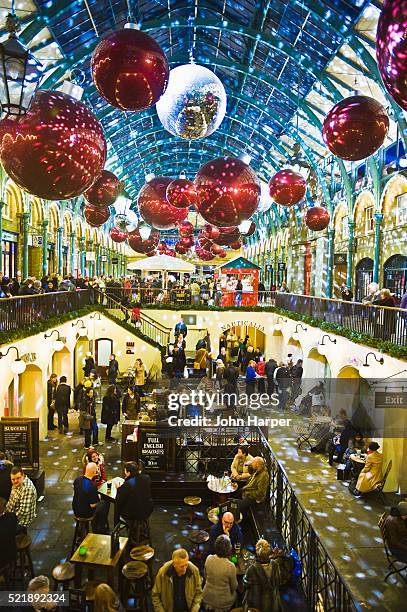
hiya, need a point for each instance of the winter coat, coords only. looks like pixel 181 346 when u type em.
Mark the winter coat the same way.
pixel 221 582
pixel 371 474
pixel 140 375
pixel 131 406
pixel 113 368
pixel 262 590
pixel 89 366
pixel 110 414
pixel 163 592
pixel 86 412
pixel 63 397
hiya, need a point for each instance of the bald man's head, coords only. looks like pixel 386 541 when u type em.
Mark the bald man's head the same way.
pixel 258 463
pixel 91 470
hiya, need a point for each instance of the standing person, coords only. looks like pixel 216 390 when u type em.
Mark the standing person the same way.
pixel 110 414
pixel 16 284
pixel 346 293
pixel 271 366
pixel 87 418
pixel 140 376
pixel 23 499
pixel 131 404
pixel 239 292
pixel 178 362
pixel 180 328
pixel 262 581
pixel 89 364
pixel 220 372
pixel 63 404
pixel 251 378
pixel 296 376
pixel 200 361
pixel 221 579
pixel 112 369
pixel 260 368
pixel 5 482
pixel 261 291
pixel 51 390
pixel 178 585
pixel 282 380
pixel 231 390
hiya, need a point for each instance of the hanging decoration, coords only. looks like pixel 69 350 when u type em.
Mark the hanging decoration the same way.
pixel 228 191
pixel 185 228
pixel 247 228
pixel 355 128
pixel 287 187
pixel 216 249
pixel 187 242
pixel 154 207
pixel 162 246
pixel 181 250
pixel 136 242
pixel 56 150
pixel 203 254
pixel 265 200
pixel 317 218
pixel 104 191
pixel 126 221
pixel 130 70
pixel 391 49
pixel 96 216
pixel 236 245
pixel 194 103
pixel 210 231
pixel 117 234
pixel 181 193
pixel 228 235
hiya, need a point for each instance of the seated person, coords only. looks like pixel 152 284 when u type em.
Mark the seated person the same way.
pixel 8 532
pixel 371 474
pixel 92 456
pixel 133 499
pixel 225 526
pixel 240 464
pixel 395 529
pixel 355 444
pixel 262 581
pixel 39 587
pixel 255 491
pixel 343 432
pixel 86 502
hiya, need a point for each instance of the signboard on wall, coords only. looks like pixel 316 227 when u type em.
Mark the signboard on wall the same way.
pixel 20 436
pixel 115 261
pixel 154 448
pixel 90 256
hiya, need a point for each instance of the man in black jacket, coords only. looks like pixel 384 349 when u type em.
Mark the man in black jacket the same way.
pixel 112 369
pixel 51 392
pixel 133 499
pixel 271 366
pixel 63 404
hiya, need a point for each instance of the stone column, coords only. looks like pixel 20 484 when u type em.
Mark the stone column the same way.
pixel 349 275
pixel 72 238
pixel 60 233
pixel 330 269
pixel 97 261
pixel 377 246
pixel 45 247
pixel 26 220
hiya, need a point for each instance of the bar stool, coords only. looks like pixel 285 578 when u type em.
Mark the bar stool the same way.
pixel 145 554
pixel 136 530
pixel 192 502
pixel 197 537
pixel 24 560
pixel 135 584
pixel 63 574
pixel 83 526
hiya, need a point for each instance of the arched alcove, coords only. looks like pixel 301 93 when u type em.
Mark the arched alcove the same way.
pixel 81 348
pixel 32 401
pixel 62 364
pixel 275 346
pixel 294 347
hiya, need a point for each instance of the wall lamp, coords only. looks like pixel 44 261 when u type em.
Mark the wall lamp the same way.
pixel 379 360
pixel 83 330
pixel 96 315
pixel 18 366
pixel 58 344
pixel 277 325
pixel 296 336
pixel 321 346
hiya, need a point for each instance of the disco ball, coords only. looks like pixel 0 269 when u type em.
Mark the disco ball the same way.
pixel 194 103
pixel 355 128
pixel 181 193
pixel 317 218
pixel 154 207
pixel 391 49
pixel 287 187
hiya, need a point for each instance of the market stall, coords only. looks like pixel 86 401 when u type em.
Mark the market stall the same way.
pixel 230 273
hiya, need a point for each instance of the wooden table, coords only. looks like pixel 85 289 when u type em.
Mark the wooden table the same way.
pixel 97 555
pixel 244 559
pixel 110 496
pixel 357 458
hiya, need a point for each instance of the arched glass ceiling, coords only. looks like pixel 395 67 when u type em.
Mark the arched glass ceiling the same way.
pixel 283 64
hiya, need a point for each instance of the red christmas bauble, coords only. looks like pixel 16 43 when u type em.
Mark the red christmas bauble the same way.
pixel 170 253
pixel 96 216
pixel 185 228
pixel 228 191
pixel 355 127
pixel 181 250
pixel 202 254
pixel 143 246
pixel 223 254
pixel 130 70
pixel 391 49
pixel 287 187
pixel 181 193
pixel 104 190
pixel 211 231
pixel 117 234
pixel 317 218
pixel 186 241
pixel 154 207
pixel 56 150
pixel 161 246
pixel 236 245
pixel 216 249
pixel 228 235
pixel 204 243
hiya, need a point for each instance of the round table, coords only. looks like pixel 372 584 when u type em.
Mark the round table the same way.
pixel 222 487
pixel 358 458
pixel 358 463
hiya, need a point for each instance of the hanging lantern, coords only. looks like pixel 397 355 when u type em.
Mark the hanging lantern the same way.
pixel 129 70
pixel 287 187
pixel 181 193
pixel 317 218
pixel 56 150
pixel 96 216
pixel 391 49
pixel 20 72
pixel 185 228
pixel 154 207
pixel 228 191
pixel 355 128
pixel 104 191
pixel 194 104
pixel 117 234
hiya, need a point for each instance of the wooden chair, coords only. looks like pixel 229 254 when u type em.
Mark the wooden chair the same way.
pixel 378 489
pixel 391 559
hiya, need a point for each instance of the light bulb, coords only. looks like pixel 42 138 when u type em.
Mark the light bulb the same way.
pixel 18 366
pixel 57 345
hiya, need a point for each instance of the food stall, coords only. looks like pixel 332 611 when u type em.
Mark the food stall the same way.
pixel 229 273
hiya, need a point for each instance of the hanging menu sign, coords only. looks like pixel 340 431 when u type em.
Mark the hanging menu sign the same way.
pixel 20 437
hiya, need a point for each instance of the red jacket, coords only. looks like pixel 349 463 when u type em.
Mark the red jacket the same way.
pixel 261 368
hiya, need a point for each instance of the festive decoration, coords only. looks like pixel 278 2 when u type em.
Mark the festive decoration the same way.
pixel 126 222
pixel 210 231
pixel 117 234
pixel 187 241
pixel 154 207
pixel 181 193
pixel 181 250
pixel 56 150
pixel 104 191
pixel 287 187
pixel 194 104
pixel 222 254
pixel 237 244
pixel 355 127
pixel 203 254
pixel 130 70
pixel 391 49
pixel 216 249
pixel 247 228
pixel 228 191
pixel 228 235
pixel 265 200
pixel 139 245
pixel 204 243
pixel 171 252
pixel 161 246
pixel 185 228
pixel 317 218
pixel 96 216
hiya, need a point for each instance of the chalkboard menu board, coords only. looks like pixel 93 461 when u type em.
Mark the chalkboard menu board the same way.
pixel 20 436
pixel 156 448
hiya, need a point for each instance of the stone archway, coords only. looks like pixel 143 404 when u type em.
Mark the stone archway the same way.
pixel 81 348
pixel 32 401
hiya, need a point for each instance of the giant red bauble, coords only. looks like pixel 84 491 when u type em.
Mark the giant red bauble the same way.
pixel 228 235
pixel 355 127
pixel 181 250
pixel 130 70
pixel 117 234
pixel 96 216
pixel 237 244
pixel 228 191
pixel 391 49
pixel 287 187
pixel 222 254
pixel 170 253
pixel 181 193
pixel 185 228
pixel 154 207
pixel 216 249
pixel 317 218
pixel 56 150
pixel 210 231
pixel 143 246
pixel 104 191
pixel 186 241
pixel 202 254
pixel 204 242
pixel 162 246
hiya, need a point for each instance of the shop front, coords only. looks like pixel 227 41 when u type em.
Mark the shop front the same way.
pixel 245 271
